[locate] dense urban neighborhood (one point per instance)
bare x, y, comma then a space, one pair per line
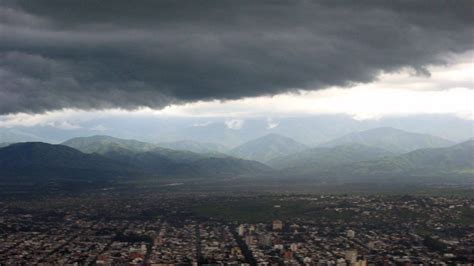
136, 228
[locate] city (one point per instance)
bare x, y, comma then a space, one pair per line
135, 228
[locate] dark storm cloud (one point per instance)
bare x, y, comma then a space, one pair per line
93, 54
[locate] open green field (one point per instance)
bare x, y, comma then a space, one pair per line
466, 216
265, 210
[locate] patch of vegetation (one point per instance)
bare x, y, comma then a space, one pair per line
131, 237
266, 210
466, 216
424, 232
435, 244
408, 214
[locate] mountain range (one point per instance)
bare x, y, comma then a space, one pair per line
104, 157
391, 139
448, 164
381, 156
454, 159
309, 130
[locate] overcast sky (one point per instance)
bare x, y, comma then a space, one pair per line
368, 59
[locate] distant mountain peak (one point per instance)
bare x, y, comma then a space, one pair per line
268, 147
391, 139
194, 146
273, 135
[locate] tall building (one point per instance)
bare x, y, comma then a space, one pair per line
351, 256
294, 247
241, 230
350, 234
251, 229
277, 225
360, 263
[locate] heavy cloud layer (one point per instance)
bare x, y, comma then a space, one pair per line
94, 54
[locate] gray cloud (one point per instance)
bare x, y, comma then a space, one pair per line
92, 54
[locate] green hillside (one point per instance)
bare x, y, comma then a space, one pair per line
103, 144
324, 157
391, 139
36, 160
267, 148
448, 164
